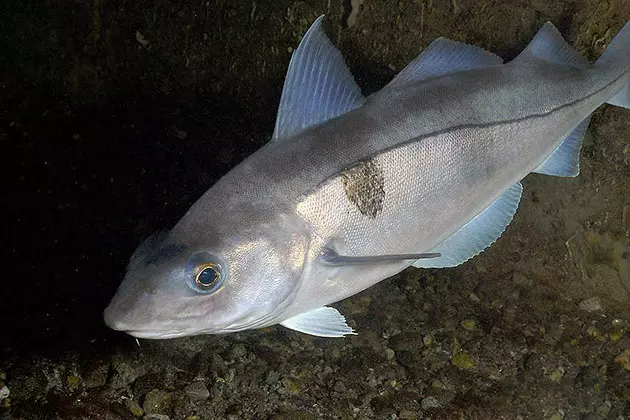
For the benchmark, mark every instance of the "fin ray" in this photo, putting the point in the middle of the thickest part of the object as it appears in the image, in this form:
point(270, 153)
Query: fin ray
point(320, 322)
point(442, 57)
point(549, 45)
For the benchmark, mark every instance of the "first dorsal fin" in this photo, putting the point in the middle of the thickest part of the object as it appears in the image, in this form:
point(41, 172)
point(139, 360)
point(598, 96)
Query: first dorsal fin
point(550, 46)
point(318, 85)
point(442, 57)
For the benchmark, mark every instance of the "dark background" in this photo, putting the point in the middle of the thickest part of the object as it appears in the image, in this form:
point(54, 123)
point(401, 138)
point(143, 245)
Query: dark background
point(105, 141)
point(115, 116)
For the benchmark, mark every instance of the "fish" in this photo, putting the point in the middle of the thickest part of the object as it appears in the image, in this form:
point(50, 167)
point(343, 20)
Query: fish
point(351, 190)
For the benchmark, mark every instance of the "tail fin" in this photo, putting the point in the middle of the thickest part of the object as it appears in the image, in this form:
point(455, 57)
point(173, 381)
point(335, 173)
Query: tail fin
point(617, 56)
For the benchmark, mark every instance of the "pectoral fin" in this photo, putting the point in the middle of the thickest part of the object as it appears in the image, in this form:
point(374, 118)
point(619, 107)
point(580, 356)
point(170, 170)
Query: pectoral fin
point(331, 257)
point(320, 322)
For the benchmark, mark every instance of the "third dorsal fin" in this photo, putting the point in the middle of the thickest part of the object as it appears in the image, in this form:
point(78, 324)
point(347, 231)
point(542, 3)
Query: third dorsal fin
point(549, 45)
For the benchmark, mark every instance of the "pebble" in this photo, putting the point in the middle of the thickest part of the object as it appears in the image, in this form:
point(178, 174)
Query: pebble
point(623, 359)
point(408, 415)
point(593, 304)
point(463, 361)
point(4, 392)
point(97, 377)
point(469, 324)
point(238, 352)
point(340, 387)
point(126, 373)
point(557, 374)
point(197, 391)
point(521, 279)
point(133, 407)
point(156, 401)
point(429, 402)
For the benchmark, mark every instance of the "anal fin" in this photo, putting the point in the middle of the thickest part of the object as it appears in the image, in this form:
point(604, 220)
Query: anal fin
point(622, 98)
point(565, 160)
point(478, 234)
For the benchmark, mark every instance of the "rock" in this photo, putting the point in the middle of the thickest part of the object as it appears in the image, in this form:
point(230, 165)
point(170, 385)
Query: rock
point(332, 353)
point(604, 409)
point(293, 385)
point(593, 304)
point(340, 387)
point(557, 374)
point(238, 352)
point(408, 415)
point(408, 359)
point(623, 359)
point(157, 402)
point(97, 377)
point(293, 415)
point(272, 378)
point(354, 12)
point(429, 402)
point(133, 407)
point(197, 391)
point(73, 382)
point(156, 417)
point(469, 324)
point(125, 373)
point(521, 279)
point(4, 392)
point(463, 361)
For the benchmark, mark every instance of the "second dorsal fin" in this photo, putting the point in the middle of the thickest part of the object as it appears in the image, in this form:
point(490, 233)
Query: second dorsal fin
point(442, 57)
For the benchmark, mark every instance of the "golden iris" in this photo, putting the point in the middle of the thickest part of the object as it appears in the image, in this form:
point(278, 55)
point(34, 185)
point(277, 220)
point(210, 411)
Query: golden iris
point(207, 276)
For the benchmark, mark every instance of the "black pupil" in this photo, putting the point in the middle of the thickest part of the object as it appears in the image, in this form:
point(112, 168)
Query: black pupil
point(208, 276)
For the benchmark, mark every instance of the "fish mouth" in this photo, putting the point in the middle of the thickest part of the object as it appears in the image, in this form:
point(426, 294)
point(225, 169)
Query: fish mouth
point(155, 335)
point(114, 322)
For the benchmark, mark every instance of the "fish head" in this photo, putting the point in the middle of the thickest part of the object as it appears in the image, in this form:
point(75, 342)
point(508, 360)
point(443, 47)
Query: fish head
point(175, 289)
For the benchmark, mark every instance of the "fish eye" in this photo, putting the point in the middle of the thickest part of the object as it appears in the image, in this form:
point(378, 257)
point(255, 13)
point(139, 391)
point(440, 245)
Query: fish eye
point(205, 273)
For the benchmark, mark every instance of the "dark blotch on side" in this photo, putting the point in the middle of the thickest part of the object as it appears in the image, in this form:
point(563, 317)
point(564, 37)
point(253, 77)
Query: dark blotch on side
point(364, 185)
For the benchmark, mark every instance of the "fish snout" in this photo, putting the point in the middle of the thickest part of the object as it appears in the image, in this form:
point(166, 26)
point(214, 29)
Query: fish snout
point(114, 320)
